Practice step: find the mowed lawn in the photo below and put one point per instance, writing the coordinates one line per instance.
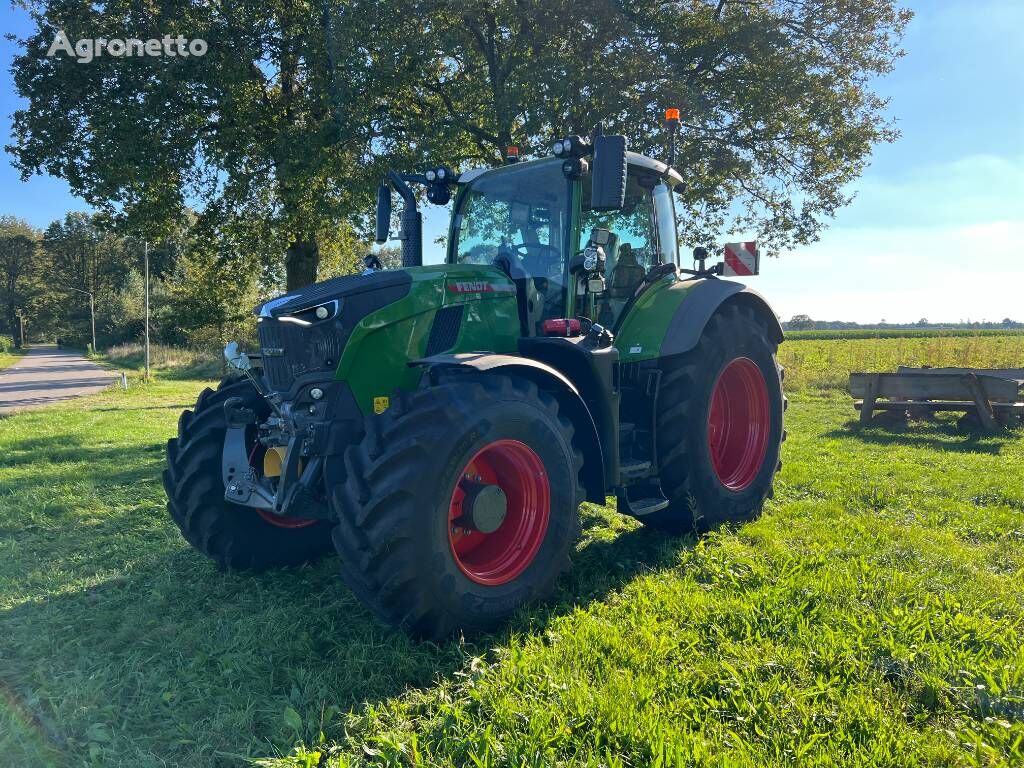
(873, 616)
(7, 359)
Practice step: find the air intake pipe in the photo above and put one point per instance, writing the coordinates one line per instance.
(411, 232)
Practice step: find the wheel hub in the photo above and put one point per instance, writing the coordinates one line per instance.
(484, 507)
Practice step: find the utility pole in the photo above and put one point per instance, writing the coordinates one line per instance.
(92, 321)
(145, 251)
(20, 313)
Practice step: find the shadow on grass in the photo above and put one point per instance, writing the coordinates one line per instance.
(168, 659)
(109, 466)
(931, 434)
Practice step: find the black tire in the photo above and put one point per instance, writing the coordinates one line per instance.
(233, 536)
(393, 508)
(698, 499)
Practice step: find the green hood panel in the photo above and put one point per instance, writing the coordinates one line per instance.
(375, 359)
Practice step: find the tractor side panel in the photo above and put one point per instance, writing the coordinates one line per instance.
(643, 329)
(669, 320)
(375, 360)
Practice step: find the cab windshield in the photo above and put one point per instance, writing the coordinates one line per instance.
(519, 214)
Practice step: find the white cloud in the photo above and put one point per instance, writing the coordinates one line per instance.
(947, 273)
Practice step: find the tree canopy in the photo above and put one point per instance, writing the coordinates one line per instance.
(278, 134)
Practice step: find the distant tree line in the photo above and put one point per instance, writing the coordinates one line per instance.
(805, 323)
(199, 295)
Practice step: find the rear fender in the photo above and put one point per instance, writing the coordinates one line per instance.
(550, 380)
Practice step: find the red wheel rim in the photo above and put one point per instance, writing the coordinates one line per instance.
(256, 462)
(738, 424)
(499, 557)
(286, 522)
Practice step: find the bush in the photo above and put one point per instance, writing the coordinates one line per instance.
(6, 343)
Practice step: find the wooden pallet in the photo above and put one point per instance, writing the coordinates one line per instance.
(994, 395)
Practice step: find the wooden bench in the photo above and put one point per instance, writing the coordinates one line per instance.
(994, 398)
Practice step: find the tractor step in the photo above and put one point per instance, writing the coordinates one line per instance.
(643, 507)
(649, 499)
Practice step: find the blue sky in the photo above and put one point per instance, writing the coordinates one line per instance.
(937, 227)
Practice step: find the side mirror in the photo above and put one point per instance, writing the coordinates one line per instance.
(383, 212)
(608, 176)
(600, 236)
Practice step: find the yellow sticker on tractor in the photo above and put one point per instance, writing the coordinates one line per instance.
(380, 404)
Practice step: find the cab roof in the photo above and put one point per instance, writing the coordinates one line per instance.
(632, 158)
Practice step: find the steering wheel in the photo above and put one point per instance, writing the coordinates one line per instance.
(522, 250)
(532, 255)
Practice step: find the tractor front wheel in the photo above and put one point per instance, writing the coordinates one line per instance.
(720, 425)
(233, 536)
(459, 505)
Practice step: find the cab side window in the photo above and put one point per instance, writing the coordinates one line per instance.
(632, 247)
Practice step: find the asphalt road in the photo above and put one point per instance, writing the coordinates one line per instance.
(47, 375)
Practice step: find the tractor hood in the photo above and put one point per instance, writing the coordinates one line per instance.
(319, 293)
(303, 333)
(360, 325)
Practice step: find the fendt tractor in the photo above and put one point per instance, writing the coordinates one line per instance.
(441, 424)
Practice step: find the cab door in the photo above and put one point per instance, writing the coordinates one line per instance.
(642, 235)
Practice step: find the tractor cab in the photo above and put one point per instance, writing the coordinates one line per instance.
(532, 220)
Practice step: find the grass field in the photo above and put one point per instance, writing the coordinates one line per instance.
(8, 359)
(873, 616)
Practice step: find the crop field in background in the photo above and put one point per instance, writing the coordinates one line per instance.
(873, 616)
(900, 333)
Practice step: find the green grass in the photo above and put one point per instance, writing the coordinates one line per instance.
(825, 365)
(873, 616)
(9, 358)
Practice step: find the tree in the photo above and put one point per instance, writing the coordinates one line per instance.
(778, 112)
(19, 246)
(268, 131)
(801, 323)
(280, 131)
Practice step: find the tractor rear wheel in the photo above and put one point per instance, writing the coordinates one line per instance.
(720, 425)
(233, 536)
(459, 505)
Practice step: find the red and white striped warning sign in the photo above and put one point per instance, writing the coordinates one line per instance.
(742, 259)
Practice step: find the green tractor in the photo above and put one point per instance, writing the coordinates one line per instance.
(440, 425)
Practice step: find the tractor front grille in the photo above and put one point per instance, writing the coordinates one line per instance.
(284, 350)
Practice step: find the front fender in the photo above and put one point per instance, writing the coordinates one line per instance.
(551, 380)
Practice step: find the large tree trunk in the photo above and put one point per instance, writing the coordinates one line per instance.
(301, 262)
